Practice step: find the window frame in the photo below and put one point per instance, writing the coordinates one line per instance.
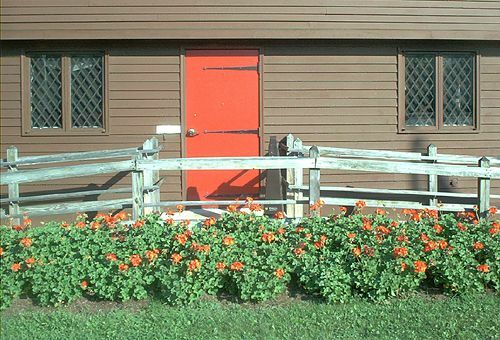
(67, 129)
(439, 127)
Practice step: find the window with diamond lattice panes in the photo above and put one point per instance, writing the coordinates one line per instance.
(440, 92)
(420, 90)
(87, 91)
(45, 92)
(458, 90)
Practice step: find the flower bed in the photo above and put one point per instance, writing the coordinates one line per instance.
(253, 258)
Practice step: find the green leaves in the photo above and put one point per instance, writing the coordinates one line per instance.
(253, 258)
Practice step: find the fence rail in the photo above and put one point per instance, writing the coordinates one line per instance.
(144, 165)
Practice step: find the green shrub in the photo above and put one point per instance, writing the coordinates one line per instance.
(251, 257)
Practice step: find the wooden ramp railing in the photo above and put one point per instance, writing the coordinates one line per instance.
(431, 164)
(144, 165)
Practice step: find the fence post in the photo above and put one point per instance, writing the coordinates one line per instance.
(290, 179)
(137, 192)
(151, 177)
(433, 179)
(483, 187)
(299, 181)
(314, 181)
(12, 156)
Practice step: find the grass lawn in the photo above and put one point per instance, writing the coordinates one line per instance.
(475, 317)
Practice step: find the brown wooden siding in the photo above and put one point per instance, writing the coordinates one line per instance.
(332, 94)
(143, 92)
(346, 96)
(230, 19)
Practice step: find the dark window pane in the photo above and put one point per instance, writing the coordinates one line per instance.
(45, 91)
(420, 92)
(458, 101)
(87, 91)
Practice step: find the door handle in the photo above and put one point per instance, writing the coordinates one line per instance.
(191, 132)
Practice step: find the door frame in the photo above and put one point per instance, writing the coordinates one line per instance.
(182, 54)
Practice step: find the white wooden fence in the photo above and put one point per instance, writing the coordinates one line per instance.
(144, 165)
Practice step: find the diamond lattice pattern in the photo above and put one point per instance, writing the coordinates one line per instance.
(87, 91)
(458, 89)
(420, 90)
(45, 92)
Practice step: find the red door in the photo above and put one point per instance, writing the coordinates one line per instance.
(222, 120)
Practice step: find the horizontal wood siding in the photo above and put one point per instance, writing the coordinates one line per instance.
(230, 19)
(138, 102)
(346, 96)
(330, 94)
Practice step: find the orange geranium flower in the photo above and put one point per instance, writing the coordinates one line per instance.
(135, 260)
(379, 211)
(138, 224)
(461, 227)
(383, 230)
(209, 221)
(424, 237)
(351, 235)
(84, 284)
(360, 204)
(319, 244)
(495, 229)
(299, 229)
(268, 237)
(151, 255)
(180, 208)
(30, 260)
(15, 267)
(181, 238)
(122, 215)
(232, 208)
(356, 251)
(483, 268)
(111, 257)
(94, 225)
(80, 224)
(343, 210)
(420, 266)
(220, 266)
(27, 221)
(402, 238)
(367, 224)
(442, 244)
(26, 242)
(430, 246)
(403, 266)
(478, 246)
(400, 252)
(279, 215)
(122, 267)
(228, 241)
(237, 266)
(1, 251)
(176, 258)
(299, 251)
(279, 273)
(394, 224)
(493, 210)
(194, 265)
(438, 228)
(280, 231)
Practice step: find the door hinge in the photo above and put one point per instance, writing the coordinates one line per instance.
(234, 68)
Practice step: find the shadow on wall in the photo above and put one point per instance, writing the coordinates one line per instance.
(90, 187)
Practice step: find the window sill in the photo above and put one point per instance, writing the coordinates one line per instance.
(434, 130)
(60, 132)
